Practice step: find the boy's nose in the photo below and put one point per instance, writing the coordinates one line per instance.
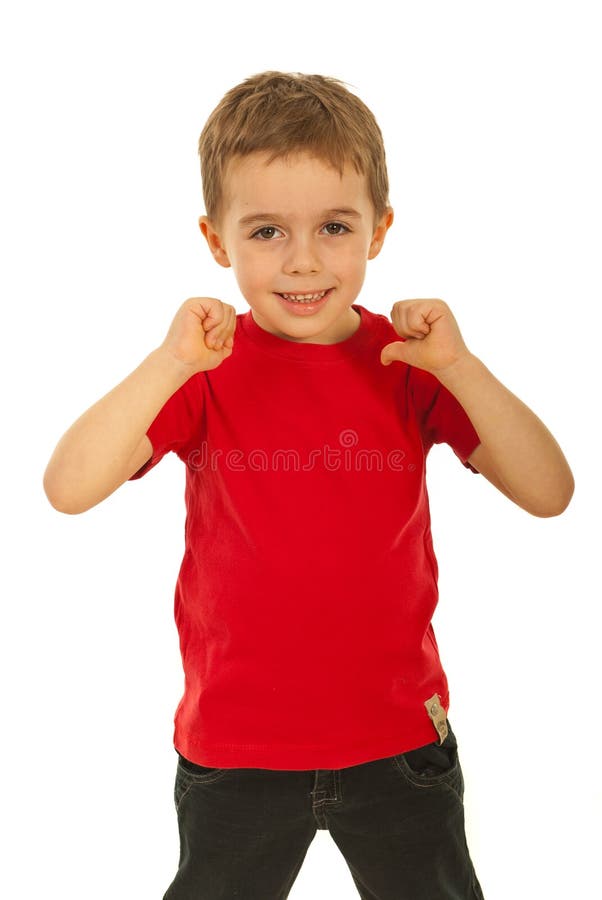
(302, 257)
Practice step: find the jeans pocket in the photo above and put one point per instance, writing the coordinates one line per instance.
(189, 774)
(199, 772)
(433, 764)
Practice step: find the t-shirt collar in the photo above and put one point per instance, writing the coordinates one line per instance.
(305, 351)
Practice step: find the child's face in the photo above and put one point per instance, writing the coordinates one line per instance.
(295, 226)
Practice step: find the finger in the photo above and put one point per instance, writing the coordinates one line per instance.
(223, 331)
(420, 319)
(214, 314)
(398, 318)
(393, 352)
(407, 320)
(215, 339)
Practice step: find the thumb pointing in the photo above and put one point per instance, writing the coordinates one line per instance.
(392, 353)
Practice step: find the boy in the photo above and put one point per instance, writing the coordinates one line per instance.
(314, 694)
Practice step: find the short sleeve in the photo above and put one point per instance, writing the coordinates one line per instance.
(441, 417)
(177, 425)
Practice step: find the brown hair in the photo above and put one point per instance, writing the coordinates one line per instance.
(285, 112)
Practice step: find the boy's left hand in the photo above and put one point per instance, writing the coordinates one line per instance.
(432, 339)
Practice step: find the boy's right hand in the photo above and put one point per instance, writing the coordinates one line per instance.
(198, 327)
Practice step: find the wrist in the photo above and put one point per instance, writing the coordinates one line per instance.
(465, 368)
(175, 370)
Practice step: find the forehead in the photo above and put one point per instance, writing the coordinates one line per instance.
(295, 184)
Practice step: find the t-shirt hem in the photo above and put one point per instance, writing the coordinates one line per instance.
(466, 450)
(302, 757)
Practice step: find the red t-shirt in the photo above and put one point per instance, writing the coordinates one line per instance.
(308, 583)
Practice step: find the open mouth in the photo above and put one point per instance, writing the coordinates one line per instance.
(308, 300)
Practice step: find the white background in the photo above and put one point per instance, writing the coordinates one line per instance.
(491, 119)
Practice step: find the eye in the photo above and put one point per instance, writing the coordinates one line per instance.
(338, 226)
(266, 233)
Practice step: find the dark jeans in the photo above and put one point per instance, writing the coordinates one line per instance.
(399, 823)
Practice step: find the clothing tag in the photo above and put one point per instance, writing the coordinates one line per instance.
(437, 716)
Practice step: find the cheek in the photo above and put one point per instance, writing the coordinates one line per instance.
(252, 268)
(351, 251)
(352, 260)
(261, 262)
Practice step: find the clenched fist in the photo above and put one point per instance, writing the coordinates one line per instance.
(201, 335)
(432, 338)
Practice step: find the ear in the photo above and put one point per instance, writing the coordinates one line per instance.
(378, 238)
(214, 241)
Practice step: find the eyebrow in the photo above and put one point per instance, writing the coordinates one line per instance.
(346, 211)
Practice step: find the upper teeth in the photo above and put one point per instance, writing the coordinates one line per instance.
(304, 296)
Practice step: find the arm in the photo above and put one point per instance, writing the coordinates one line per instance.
(108, 443)
(517, 453)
